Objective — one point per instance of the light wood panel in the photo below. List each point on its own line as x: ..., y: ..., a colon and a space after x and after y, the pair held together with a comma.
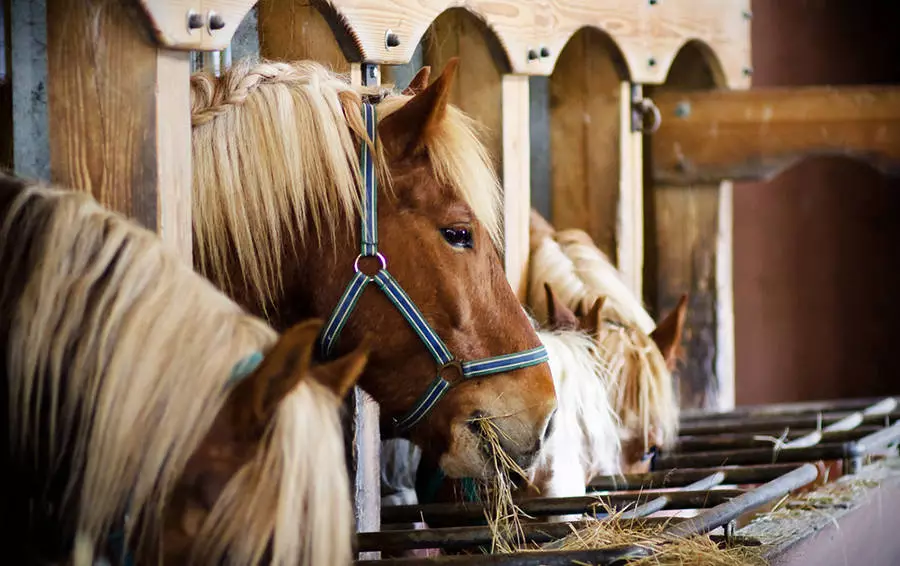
x: 649, y: 34
x: 169, y: 22
x: 755, y: 134
x: 119, y: 115
x: 516, y: 182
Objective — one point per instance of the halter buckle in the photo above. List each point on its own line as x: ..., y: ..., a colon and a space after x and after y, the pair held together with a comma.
x: 377, y: 255
x: 452, y: 364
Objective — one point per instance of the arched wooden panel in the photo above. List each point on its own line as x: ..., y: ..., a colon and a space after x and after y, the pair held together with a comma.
x: 585, y: 137
x: 478, y: 86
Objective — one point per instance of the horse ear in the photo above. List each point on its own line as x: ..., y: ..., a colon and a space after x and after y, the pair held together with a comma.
x: 418, y: 82
x: 341, y: 374
x: 591, y: 322
x: 405, y: 131
x: 667, y: 333
x: 285, y: 365
x: 559, y: 315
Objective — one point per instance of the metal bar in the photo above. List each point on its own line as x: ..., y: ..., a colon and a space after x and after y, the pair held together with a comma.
x: 749, y: 456
x: 662, y: 501
x: 682, y: 477
x: 535, y: 558
x: 657, y: 504
x: 456, y: 538
x: 704, y: 443
x: 849, y: 422
x: 768, y: 423
x: 876, y: 441
x: 719, y: 515
x: 551, y: 506
x: 696, y: 415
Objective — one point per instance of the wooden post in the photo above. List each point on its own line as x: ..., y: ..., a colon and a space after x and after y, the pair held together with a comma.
x: 516, y: 181
x: 119, y: 111
x: 630, y: 210
x: 688, y: 231
x: 292, y: 30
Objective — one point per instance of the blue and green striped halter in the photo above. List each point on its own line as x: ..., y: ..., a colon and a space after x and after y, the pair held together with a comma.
x: 395, y: 293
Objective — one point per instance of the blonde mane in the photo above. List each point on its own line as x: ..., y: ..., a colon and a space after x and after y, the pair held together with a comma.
x: 642, y: 393
x: 584, y: 442
x: 123, y: 354
x: 276, y: 161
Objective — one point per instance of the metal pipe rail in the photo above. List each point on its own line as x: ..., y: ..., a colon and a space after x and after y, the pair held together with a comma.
x: 775, y: 409
x: 538, y: 507
x: 457, y: 538
x: 851, y: 451
x: 705, y: 443
x: 744, y: 424
x: 681, y: 477
x: 708, y: 520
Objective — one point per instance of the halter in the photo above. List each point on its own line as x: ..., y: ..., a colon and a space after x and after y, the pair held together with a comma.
x: 398, y: 297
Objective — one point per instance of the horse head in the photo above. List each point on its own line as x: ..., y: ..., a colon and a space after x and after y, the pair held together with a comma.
x: 377, y: 211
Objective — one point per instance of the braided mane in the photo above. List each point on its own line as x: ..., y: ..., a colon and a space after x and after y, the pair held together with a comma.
x: 276, y: 165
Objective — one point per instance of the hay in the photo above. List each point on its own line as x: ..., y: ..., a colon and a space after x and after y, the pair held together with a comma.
x: 504, y: 518
x: 502, y: 514
x: 613, y: 532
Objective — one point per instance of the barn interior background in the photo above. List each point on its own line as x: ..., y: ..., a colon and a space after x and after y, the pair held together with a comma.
x: 773, y: 208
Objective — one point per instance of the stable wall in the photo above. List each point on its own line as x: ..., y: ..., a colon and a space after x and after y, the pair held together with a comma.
x: 817, y: 249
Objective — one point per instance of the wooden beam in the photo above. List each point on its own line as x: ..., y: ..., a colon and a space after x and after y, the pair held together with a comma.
x: 516, y: 182
x: 119, y: 114
x: 753, y: 135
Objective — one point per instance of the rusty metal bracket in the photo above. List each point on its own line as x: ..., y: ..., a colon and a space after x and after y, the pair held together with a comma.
x: 195, y: 25
x: 645, y: 116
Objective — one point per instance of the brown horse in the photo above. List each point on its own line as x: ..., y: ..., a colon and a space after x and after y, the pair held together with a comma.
x: 640, y: 354
x: 149, y: 414
x: 287, y: 158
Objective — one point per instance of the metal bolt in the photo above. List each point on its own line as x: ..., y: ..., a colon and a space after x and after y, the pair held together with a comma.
x: 683, y: 110
x: 391, y: 39
x: 747, y: 71
x: 651, y: 62
x: 532, y: 54
x: 194, y: 21
x: 215, y: 21
x: 545, y: 51
x: 653, y: 2
x: 748, y: 15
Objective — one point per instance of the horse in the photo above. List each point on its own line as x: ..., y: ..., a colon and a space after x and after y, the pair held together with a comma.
x: 640, y: 356
x: 149, y: 417
x: 296, y: 172
x: 583, y: 443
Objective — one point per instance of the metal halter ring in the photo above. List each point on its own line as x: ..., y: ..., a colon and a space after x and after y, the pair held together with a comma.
x: 455, y: 364
x: 377, y: 255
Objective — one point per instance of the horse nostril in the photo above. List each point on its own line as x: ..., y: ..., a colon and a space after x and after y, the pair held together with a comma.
x: 548, y: 430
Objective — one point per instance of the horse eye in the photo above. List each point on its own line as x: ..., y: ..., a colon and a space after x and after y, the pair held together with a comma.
x: 458, y: 237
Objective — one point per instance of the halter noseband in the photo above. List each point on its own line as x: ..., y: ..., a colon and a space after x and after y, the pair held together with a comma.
x: 395, y: 293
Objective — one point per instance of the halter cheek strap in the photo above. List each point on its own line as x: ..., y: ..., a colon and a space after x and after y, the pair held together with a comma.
x: 402, y: 302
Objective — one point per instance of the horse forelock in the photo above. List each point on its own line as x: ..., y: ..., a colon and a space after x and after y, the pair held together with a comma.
x: 276, y: 162
x: 117, y: 349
